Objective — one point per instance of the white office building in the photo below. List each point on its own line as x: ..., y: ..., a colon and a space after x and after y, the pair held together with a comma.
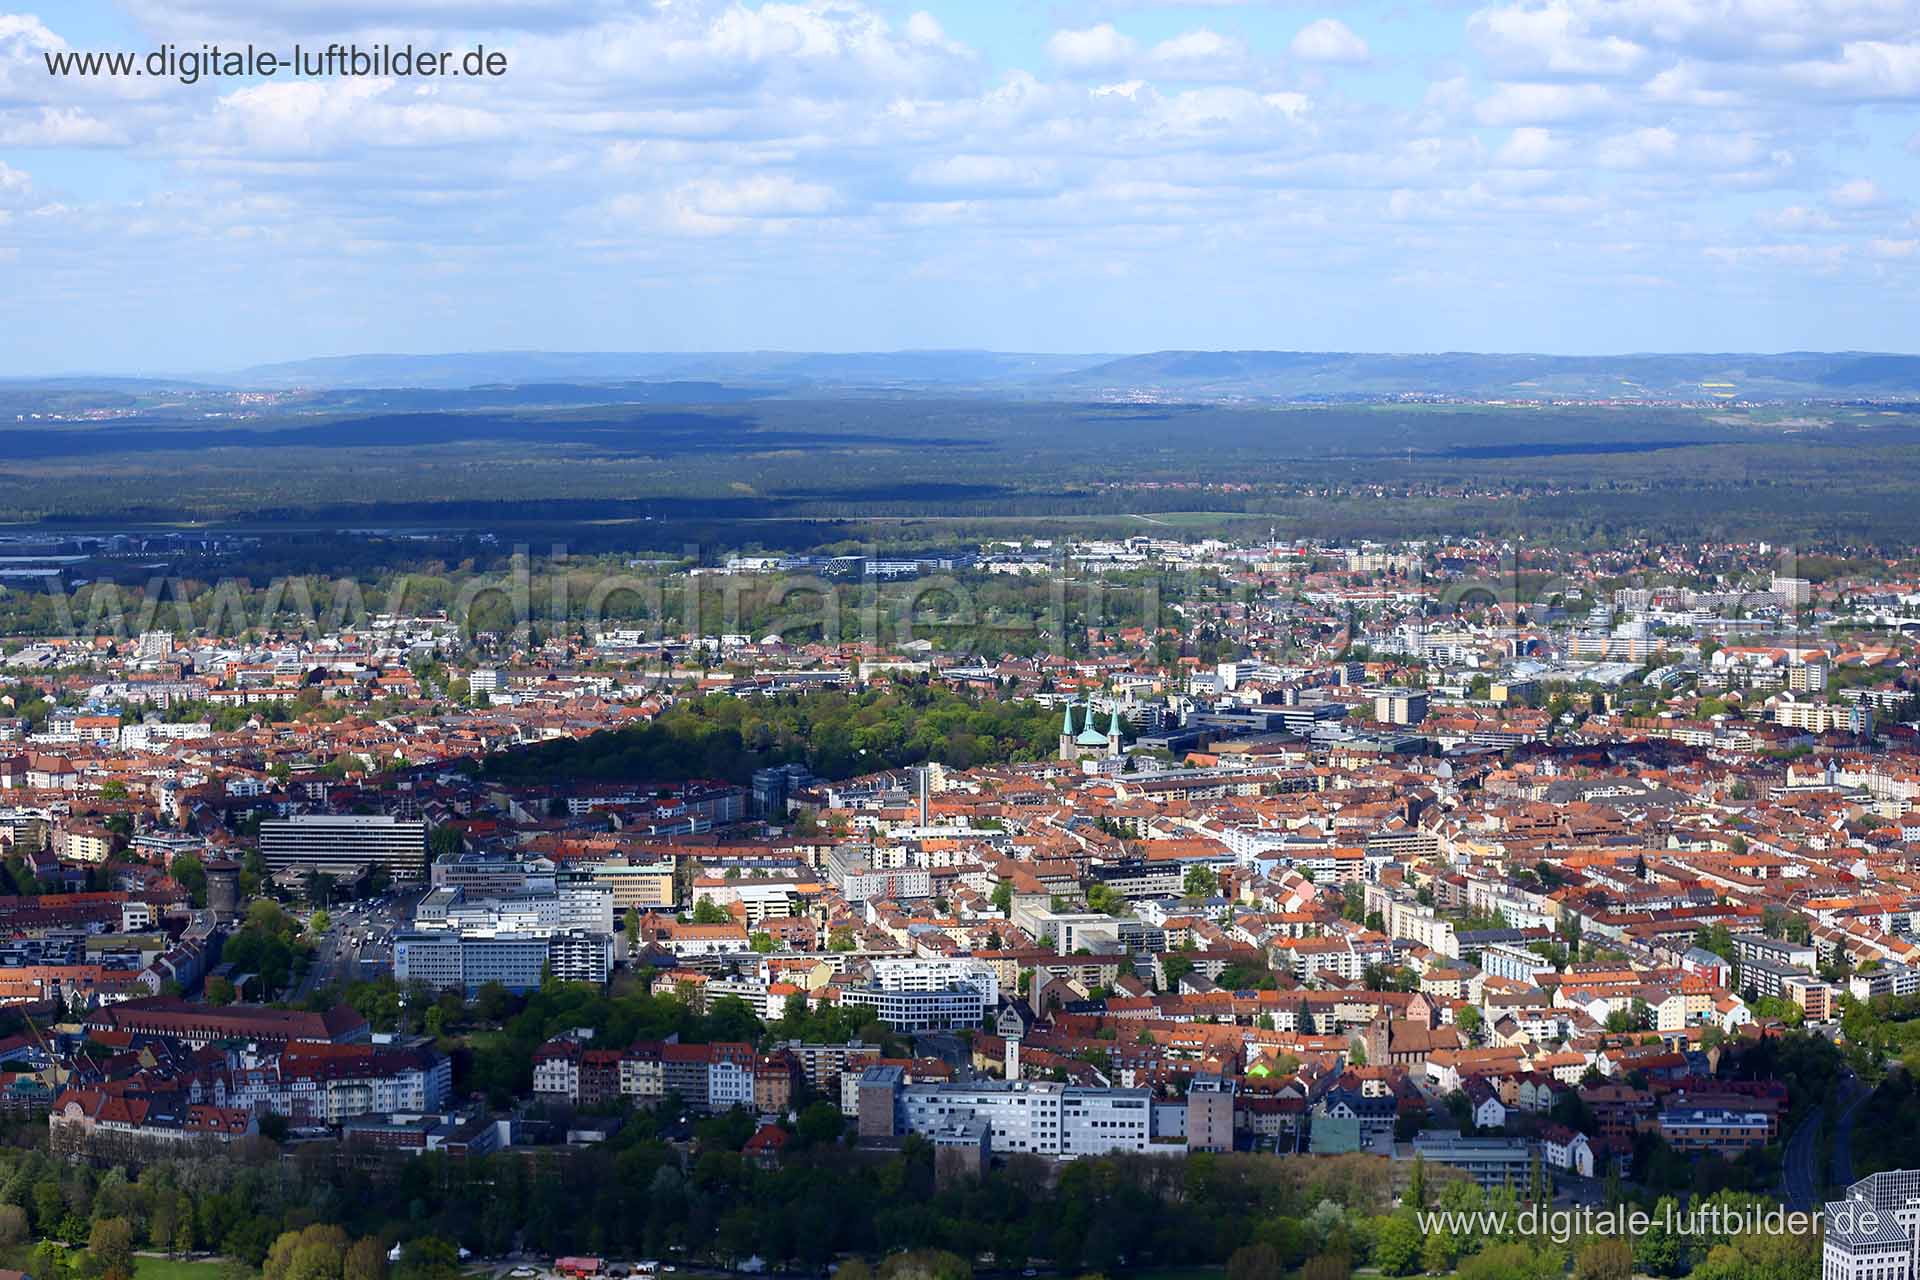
x: 912, y: 1011
x: 1041, y: 1117
x: 1874, y: 1232
x: 584, y: 907
x: 447, y: 961
x: 931, y: 974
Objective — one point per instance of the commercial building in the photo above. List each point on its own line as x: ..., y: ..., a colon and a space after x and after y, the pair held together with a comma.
x: 643, y: 886
x: 918, y: 974
x: 485, y: 875
x: 1874, y: 1232
x: 1039, y: 1117
x: 1491, y: 1162
x: 342, y: 845
x: 585, y: 907
x: 908, y: 1012
x: 517, y: 961
x: 449, y: 962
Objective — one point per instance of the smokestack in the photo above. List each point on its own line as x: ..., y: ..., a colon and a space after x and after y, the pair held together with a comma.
x: 921, y: 775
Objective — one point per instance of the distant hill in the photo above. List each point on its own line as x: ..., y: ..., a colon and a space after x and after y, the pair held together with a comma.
x: 1294, y: 376
x: 761, y: 369
x: 1310, y: 375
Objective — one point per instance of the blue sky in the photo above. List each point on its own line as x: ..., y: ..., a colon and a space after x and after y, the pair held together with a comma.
x: 1074, y: 175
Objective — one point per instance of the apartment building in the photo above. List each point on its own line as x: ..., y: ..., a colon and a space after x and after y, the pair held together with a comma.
x: 1721, y: 1130
x: 1039, y: 1117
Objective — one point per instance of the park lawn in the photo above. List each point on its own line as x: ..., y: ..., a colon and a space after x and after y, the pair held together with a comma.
x: 146, y: 1268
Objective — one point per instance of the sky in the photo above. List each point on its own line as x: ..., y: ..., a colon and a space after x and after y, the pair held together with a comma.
x: 1567, y: 176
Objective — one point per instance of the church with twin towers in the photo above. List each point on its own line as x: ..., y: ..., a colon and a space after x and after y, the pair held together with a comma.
x: 1089, y: 741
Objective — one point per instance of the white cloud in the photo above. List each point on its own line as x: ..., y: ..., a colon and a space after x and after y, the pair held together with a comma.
x: 1797, y: 218
x: 1793, y: 255
x: 1200, y: 54
x: 1640, y: 149
x: 1548, y: 132
x: 1865, y: 70
x: 987, y: 173
x: 1097, y: 48
x: 1529, y: 148
x: 1329, y: 40
x: 721, y: 206
x: 1551, y: 39
x: 58, y: 127
x: 925, y: 30
x: 1527, y: 103
x: 759, y: 196
x: 1859, y: 193
x: 318, y: 116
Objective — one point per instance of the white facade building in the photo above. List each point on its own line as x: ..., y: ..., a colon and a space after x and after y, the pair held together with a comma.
x: 1873, y: 1233
x: 1041, y: 1117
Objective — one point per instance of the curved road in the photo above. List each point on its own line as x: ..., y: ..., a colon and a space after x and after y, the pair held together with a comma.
x: 1796, y: 1166
x: 1799, y: 1165
x: 1843, y: 1133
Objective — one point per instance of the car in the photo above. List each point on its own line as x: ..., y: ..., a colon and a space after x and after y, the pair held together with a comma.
x: 524, y: 1273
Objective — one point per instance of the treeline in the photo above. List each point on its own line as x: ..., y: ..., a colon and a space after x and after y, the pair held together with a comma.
x: 263, y: 1212
x: 836, y: 735
x: 314, y: 1218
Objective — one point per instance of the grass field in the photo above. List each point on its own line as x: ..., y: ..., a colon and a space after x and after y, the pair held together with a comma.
x: 146, y: 1268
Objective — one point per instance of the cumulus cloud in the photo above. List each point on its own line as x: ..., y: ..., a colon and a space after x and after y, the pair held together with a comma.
x: 843, y: 137
x: 1640, y: 149
x: 313, y: 116
x: 1096, y: 48
x: 1329, y: 40
x: 1198, y: 54
x: 1865, y: 70
x: 986, y: 174
x: 58, y: 127
x: 1858, y: 193
x: 1529, y: 148
x: 759, y: 196
x: 1529, y: 104
x: 1551, y: 39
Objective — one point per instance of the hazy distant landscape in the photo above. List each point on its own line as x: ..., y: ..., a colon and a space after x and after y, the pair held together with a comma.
x: 1296, y: 376
x: 740, y: 450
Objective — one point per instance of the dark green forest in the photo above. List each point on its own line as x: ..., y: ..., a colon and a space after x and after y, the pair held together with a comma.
x: 795, y: 473
x: 837, y: 735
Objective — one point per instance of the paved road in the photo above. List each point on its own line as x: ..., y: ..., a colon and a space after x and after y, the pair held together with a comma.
x: 1843, y: 1132
x: 319, y: 969
x: 1797, y: 1167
